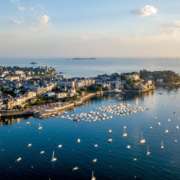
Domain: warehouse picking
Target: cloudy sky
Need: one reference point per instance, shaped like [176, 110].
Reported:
[100, 28]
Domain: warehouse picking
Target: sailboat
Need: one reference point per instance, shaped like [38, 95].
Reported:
[40, 127]
[148, 152]
[162, 145]
[18, 159]
[125, 134]
[142, 140]
[53, 158]
[110, 131]
[95, 160]
[75, 168]
[78, 140]
[93, 177]
[110, 140]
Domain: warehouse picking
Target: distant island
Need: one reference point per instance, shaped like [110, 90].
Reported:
[87, 58]
[33, 63]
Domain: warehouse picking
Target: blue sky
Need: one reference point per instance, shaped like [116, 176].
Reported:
[67, 28]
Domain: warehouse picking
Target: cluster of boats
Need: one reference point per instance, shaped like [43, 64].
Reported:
[121, 109]
[104, 113]
[118, 109]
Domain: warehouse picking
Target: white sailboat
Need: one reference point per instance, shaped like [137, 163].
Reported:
[162, 145]
[40, 127]
[75, 168]
[93, 177]
[148, 152]
[95, 160]
[19, 159]
[110, 131]
[110, 140]
[53, 158]
[125, 134]
[142, 140]
[78, 140]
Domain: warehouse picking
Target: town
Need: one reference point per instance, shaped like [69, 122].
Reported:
[42, 91]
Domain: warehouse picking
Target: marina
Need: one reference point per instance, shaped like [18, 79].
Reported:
[104, 113]
[131, 133]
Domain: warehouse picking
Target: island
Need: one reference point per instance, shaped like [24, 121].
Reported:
[86, 58]
[43, 92]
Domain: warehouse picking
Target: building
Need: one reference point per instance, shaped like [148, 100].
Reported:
[81, 83]
[22, 100]
[131, 76]
[66, 85]
[61, 95]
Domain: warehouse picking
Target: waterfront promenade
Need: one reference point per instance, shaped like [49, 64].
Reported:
[48, 109]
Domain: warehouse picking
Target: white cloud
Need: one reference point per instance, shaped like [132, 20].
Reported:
[44, 19]
[147, 10]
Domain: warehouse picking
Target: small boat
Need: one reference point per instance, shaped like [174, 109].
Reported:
[78, 140]
[93, 177]
[169, 120]
[96, 145]
[110, 131]
[94, 160]
[75, 168]
[19, 159]
[166, 131]
[40, 127]
[110, 140]
[142, 140]
[60, 146]
[42, 152]
[128, 146]
[29, 145]
[125, 134]
[159, 123]
[162, 145]
[28, 123]
[53, 158]
[148, 153]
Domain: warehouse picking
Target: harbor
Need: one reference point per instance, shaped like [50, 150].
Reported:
[115, 134]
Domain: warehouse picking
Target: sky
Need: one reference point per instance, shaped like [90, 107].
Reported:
[89, 28]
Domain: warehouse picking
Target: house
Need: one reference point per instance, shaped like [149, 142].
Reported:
[61, 95]
[81, 83]
[131, 76]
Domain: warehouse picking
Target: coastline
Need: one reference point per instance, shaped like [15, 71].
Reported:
[51, 108]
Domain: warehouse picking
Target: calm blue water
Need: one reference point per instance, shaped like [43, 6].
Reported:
[115, 161]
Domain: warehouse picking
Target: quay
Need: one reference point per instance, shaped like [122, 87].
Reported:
[57, 108]
[47, 110]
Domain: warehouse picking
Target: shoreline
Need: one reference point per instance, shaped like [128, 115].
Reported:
[50, 109]
[56, 108]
